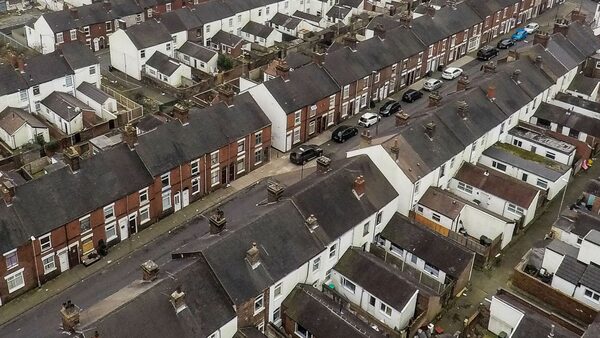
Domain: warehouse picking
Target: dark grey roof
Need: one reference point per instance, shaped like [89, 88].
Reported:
[286, 21]
[78, 55]
[296, 60]
[485, 8]
[436, 250]
[163, 64]
[307, 16]
[93, 92]
[582, 37]
[11, 80]
[338, 12]
[562, 248]
[123, 8]
[578, 101]
[591, 277]
[285, 244]
[249, 332]
[565, 51]
[65, 105]
[550, 65]
[387, 22]
[376, 277]
[536, 164]
[197, 51]
[322, 317]
[593, 330]
[215, 10]
[13, 232]
[182, 19]
[151, 313]
[87, 15]
[571, 119]
[532, 79]
[444, 23]
[208, 130]
[571, 270]
[583, 84]
[535, 135]
[578, 222]
[294, 94]
[45, 67]
[593, 237]
[257, 29]
[227, 39]
[148, 122]
[102, 179]
[351, 3]
[509, 95]
[148, 34]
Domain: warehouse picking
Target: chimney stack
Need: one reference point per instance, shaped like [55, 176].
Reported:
[379, 31]
[515, 75]
[561, 26]
[217, 222]
[365, 138]
[401, 118]
[430, 129]
[350, 41]
[491, 92]
[392, 10]
[434, 99]
[253, 256]
[578, 16]
[462, 108]
[489, 67]
[182, 114]
[538, 61]
[274, 191]
[178, 300]
[130, 135]
[463, 83]
[70, 316]
[74, 12]
[107, 5]
[405, 19]
[430, 10]
[358, 186]
[318, 58]
[283, 70]
[149, 270]
[21, 63]
[541, 38]
[8, 192]
[396, 148]
[513, 55]
[226, 95]
[311, 222]
[72, 157]
[323, 164]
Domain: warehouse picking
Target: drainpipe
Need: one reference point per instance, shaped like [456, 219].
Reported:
[37, 273]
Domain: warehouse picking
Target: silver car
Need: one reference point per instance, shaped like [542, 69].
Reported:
[432, 84]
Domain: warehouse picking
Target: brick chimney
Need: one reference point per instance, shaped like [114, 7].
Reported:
[379, 31]
[365, 138]
[311, 222]
[226, 95]
[401, 118]
[107, 5]
[72, 158]
[395, 148]
[283, 70]
[350, 41]
[74, 12]
[561, 26]
[462, 108]
[253, 256]
[430, 10]
[491, 92]
[434, 99]
[129, 135]
[463, 83]
[541, 38]
[150, 271]
[515, 75]
[578, 16]
[181, 113]
[274, 191]
[538, 61]
[405, 19]
[430, 129]
[69, 314]
[392, 10]
[513, 55]
[358, 186]
[318, 58]
[489, 67]
[217, 222]
[8, 192]
[323, 164]
[177, 299]
[21, 63]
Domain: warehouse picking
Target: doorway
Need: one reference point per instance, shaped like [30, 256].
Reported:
[185, 198]
[123, 229]
[177, 201]
[132, 223]
[63, 259]
[73, 254]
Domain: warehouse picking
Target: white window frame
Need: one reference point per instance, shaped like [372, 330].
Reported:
[143, 211]
[51, 266]
[214, 159]
[49, 244]
[462, 186]
[277, 290]
[164, 198]
[316, 264]
[195, 185]
[333, 251]
[81, 220]
[348, 285]
[312, 127]
[346, 91]
[214, 181]
[240, 168]
[542, 183]
[111, 209]
[60, 38]
[515, 209]
[241, 146]
[366, 228]
[297, 117]
[165, 177]
[12, 276]
[258, 153]
[195, 167]
[258, 141]
[384, 308]
[10, 254]
[436, 217]
[112, 225]
[260, 302]
[146, 199]
[73, 34]
[594, 297]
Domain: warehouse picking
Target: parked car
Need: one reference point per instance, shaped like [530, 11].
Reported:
[520, 34]
[505, 43]
[451, 73]
[411, 95]
[432, 84]
[487, 52]
[368, 119]
[305, 153]
[343, 133]
[532, 27]
[389, 108]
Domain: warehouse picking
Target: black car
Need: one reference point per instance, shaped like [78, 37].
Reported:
[342, 133]
[505, 43]
[411, 95]
[487, 52]
[305, 153]
[389, 108]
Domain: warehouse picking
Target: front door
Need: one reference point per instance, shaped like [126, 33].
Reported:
[356, 105]
[96, 44]
[231, 172]
[63, 259]
[185, 198]
[74, 255]
[177, 201]
[288, 141]
[132, 223]
[123, 228]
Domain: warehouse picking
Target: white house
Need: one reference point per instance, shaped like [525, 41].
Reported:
[167, 69]
[96, 98]
[131, 48]
[584, 87]
[65, 112]
[18, 127]
[529, 138]
[197, 56]
[577, 104]
[339, 15]
[260, 34]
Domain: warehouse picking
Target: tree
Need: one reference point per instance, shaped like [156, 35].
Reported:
[224, 63]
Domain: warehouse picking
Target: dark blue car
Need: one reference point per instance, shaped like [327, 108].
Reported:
[520, 34]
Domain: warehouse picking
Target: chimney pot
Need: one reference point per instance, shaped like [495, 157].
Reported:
[489, 67]
[74, 12]
[311, 222]
[178, 300]
[181, 113]
[463, 83]
[434, 99]
[462, 109]
[539, 60]
[491, 92]
[69, 314]
[405, 19]
[8, 191]
[217, 221]
[430, 129]
[283, 70]
[561, 26]
[366, 138]
[430, 10]
[150, 270]
[107, 5]
[253, 256]
[274, 191]
[130, 135]
[541, 38]
[72, 157]
[358, 186]
[515, 75]
[401, 118]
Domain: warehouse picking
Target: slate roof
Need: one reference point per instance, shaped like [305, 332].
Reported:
[11, 119]
[593, 330]
[571, 270]
[351, 3]
[583, 84]
[286, 21]
[78, 55]
[571, 119]
[122, 8]
[565, 51]
[151, 314]
[539, 165]
[578, 101]
[249, 332]
[13, 233]
[227, 39]
[294, 93]
[197, 51]
[307, 16]
[45, 67]
[148, 34]
[509, 96]
[376, 278]
[388, 22]
[11, 80]
[550, 65]
[93, 92]
[583, 38]
[444, 23]
[562, 248]
[485, 8]
[532, 79]
[321, 316]
[338, 12]
[87, 15]
[65, 105]
[528, 132]
[593, 237]
[435, 249]
[438, 201]
[209, 129]
[149, 122]
[591, 277]
[163, 64]
[257, 29]
[285, 244]
[296, 60]
[578, 222]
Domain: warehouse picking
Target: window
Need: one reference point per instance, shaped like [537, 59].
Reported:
[385, 309]
[168, 46]
[515, 209]
[241, 165]
[346, 91]
[259, 11]
[316, 264]
[417, 185]
[143, 53]
[313, 110]
[452, 162]
[378, 218]
[195, 185]
[86, 30]
[591, 295]
[68, 81]
[92, 70]
[258, 156]
[377, 77]
[108, 26]
[297, 117]
[48, 263]
[550, 155]
[414, 259]
[59, 38]
[109, 212]
[366, 228]
[37, 105]
[165, 180]
[214, 177]
[214, 159]
[517, 143]
[442, 170]
[241, 146]
[85, 224]
[277, 290]
[328, 275]
[363, 100]
[259, 304]
[524, 177]
[36, 90]
[465, 188]
[15, 281]
[195, 167]
[296, 135]
[23, 95]
[302, 332]
[419, 209]
[73, 34]
[258, 138]
[166, 200]
[372, 300]
[541, 183]
[144, 214]
[432, 270]
[143, 195]
[12, 259]
[396, 250]
[332, 251]
[436, 217]
[45, 243]
[344, 109]
[312, 127]
[499, 166]
[168, 7]
[348, 285]
[111, 231]
[277, 315]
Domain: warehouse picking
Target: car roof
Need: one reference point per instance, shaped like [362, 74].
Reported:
[342, 128]
[432, 80]
[368, 114]
[410, 90]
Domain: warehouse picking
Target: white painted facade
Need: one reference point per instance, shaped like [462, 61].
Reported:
[503, 317]
[67, 127]
[209, 67]
[175, 79]
[562, 285]
[16, 100]
[110, 105]
[551, 260]
[24, 135]
[577, 109]
[274, 37]
[276, 115]
[41, 37]
[41, 91]
[542, 150]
